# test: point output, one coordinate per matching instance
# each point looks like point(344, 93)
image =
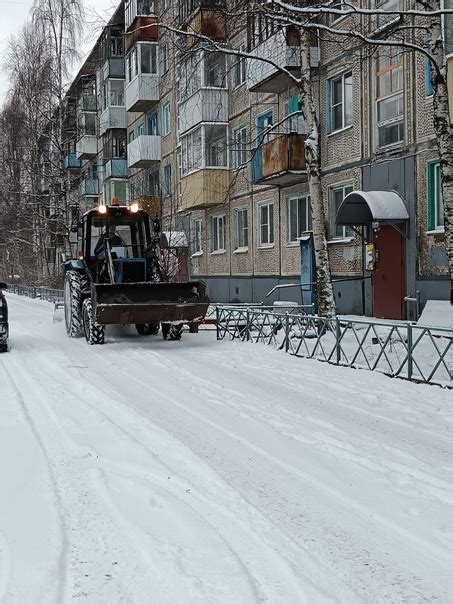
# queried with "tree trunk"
point(324, 289)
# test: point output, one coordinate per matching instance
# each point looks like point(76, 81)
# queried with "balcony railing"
point(113, 68)
point(112, 118)
point(206, 105)
point(144, 151)
point(86, 146)
point(280, 161)
point(142, 92)
point(89, 187)
point(187, 8)
point(204, 188)
point(116, 168)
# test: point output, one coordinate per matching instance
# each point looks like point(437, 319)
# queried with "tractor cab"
point(4, 328)
point(117, 245)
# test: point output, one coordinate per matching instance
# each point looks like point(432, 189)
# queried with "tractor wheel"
point(147, 329)
point(74, 284)
point(4, 346)
point(94, 333)
point(175, 331)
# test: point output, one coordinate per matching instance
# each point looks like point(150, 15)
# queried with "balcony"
point(87, 102)
point(204, 17)
point(72, 162)
point(142, 92)
point(204, 188)
point(89, 187)
point(116, 168)
point(206, 105)
point(86, 146)
point(284, 50)
point(280, 161)
point(112, 118)
point(141, 29)
point(144, 151)
point(113, 68)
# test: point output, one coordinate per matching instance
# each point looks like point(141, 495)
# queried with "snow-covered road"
point(203, 471)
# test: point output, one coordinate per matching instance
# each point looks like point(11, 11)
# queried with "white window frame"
point(198, 236)
point(439, 223)
point(191, 162)
point(239, 143)
point(395, 95)
point(218, 234)
point(166, 181)
point(241, 233)
point(347, 232)
point(239, 67)
point(382, 21)
point(165, 120)
point(331, 106)
point(269, 224)
point(308, 221)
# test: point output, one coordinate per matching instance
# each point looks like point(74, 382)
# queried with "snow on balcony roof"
point(364, 207)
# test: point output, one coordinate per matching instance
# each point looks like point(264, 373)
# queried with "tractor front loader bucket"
point(134, 303)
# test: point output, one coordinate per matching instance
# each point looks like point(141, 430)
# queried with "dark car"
point(4, 329)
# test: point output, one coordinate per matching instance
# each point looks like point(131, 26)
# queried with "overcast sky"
point(14, 14)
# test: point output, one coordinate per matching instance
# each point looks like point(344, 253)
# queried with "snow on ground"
point(437, 313)
point(203, 471)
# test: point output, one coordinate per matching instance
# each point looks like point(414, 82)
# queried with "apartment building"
point(184, 129)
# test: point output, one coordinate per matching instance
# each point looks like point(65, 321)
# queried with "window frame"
point(308, 218)
point(188, 149)
point(198, 237)
point(434, 197)
point(216, 231)
point(270, 224)
point(330, 105)
point(239, 67)
point(239, 147)
point(394, 94)
point(165, 118)
point(347, 232)
point(166, 181)
point(237, 230)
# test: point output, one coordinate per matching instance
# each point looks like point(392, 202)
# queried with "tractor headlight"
point(102, 209)
point(134, 207)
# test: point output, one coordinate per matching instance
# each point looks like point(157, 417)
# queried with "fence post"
point(410, 363)
point(217, 321)
point(337, 339)
point(247, 325)
point(286, 331)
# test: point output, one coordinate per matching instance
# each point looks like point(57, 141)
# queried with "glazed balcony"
point(89, 187)
point(283, 49)
point(112, 118)
point(115, 168)
point(113, 67)
point(205, 17)
point(206, 105)
point(87, 102)
point(72, 162)
point(204, 188)
point(144, 151)
point(142, 29)
point(142, 92)
point(280, 161)
point(87, 146)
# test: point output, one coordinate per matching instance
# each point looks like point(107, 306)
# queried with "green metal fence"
point(406, 350)
point(44, 293)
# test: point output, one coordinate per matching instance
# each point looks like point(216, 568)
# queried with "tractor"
point(4, 328)
point(119, 278)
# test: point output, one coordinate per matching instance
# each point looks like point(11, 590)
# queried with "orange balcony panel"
point(284, 160)
point(142, 29)
point(204, 188)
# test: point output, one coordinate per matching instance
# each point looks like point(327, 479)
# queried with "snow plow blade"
point(133, 303)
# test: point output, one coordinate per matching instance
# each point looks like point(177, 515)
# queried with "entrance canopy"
point(364, 207)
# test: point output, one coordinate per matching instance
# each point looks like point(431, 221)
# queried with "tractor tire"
point(94, 333)
point(175, 331)
point(4, 346)
point(147, 329)
point(74, 284)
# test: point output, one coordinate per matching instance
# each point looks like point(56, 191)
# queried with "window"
point(435, 201)
point(118, 146)
point(448, 27)
point(115, 188)
point(239, 151)
point(116, 88)
point(241, 229)
point(265, 224)
point(140, 129)
point(428, 68)
point(339, 102)
point(238, 68)
point(299, 217)
point(387, 5)
point(166, 118)
point(214, 70)
point(131, 136)
point(218, 233)
point(206, 146)
point(141, 59)
point(167, 181)
point(389, 97)
point(295, 121)
point(337, 194)
point(197, 239)
point(154, 184)
point(88, 124)
point(153, 123)
point(163, 58)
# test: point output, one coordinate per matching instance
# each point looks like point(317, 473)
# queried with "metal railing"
point(44, 293)
point(406, 350)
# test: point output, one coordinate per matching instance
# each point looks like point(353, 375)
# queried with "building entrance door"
point(389, 277)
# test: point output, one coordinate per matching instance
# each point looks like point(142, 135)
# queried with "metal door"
point(389, 274)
